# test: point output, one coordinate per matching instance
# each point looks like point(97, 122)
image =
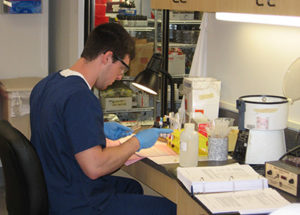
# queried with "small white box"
point(202, 96)
point(121, 103)
point(176, 64)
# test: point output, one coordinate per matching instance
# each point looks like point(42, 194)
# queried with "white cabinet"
point(276, 7)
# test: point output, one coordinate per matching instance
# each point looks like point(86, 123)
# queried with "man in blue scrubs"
point(69, 134)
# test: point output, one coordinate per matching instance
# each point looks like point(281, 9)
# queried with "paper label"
point(183, 146)
point(266, 110)
point(262, 122)
point(206, 96)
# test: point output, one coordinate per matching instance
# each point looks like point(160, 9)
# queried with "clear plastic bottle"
point(189, 141)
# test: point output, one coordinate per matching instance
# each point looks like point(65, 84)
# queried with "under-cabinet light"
point(7, 3)
point(261, 19)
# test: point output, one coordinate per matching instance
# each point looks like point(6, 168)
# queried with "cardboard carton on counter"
point(143, 53)
point(15, 102)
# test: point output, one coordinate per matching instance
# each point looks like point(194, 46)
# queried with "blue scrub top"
point(66, 118)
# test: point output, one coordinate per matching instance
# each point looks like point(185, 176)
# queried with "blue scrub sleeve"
point(84, 121)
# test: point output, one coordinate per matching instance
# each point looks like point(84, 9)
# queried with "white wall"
point(24, 44)
point(252, 59)
point(66, 33)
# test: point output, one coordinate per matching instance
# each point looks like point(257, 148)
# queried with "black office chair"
point(25, 187)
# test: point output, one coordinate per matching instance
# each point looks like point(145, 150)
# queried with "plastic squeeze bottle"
point(189, 141)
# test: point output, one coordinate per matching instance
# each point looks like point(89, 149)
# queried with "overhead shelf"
point(132, 110)
point(180, 76)
point(131, 78)
point(128, 78)
point(136, 28)
point(182, 45)
point(186, 22)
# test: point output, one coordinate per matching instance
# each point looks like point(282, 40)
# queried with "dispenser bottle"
point(189, 139)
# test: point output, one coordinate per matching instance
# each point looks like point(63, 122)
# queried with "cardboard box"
point(143, 54)
point(121, 103)
point(16, 106)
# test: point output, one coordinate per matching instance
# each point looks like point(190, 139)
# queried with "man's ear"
point(107, 57)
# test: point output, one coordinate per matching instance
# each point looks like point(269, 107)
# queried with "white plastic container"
point(202, 97)
point(176, 63)
point(189, 139)
point(263, 112)
point(217, 148)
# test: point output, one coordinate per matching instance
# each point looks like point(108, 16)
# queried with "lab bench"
point(163, 180)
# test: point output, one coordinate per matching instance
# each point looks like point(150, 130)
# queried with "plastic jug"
point(189, 138)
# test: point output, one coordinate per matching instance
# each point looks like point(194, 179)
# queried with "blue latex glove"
point(148, 137)
point(114, 130)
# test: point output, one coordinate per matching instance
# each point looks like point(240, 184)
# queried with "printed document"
point(245, 202)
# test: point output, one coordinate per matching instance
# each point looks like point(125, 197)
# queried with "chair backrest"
point(25, 185)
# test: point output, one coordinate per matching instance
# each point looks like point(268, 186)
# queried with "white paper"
point(159, 149)
point(160, 153)
point(169, 159)
point(244, 202)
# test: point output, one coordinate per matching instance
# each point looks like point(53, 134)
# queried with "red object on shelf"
point(101, 1)
point(112, 7)
point(101, 20)
point(100, 9)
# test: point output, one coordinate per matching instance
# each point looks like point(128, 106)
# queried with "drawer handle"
point(270, 4)
point(259, 4)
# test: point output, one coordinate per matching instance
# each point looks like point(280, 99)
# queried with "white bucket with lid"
point(265, 112)
point(262, 112)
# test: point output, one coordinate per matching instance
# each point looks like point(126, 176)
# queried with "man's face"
point(115, 71)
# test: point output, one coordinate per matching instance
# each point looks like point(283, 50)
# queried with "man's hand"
point(114, 130)
point(148, 137)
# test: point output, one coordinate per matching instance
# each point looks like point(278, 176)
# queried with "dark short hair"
point(108, 37)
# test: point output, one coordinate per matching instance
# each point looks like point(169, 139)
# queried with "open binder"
point(231, 189)
point(220, 178)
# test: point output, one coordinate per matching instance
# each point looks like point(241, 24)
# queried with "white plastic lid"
point(291, 86)
point(189, 126)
